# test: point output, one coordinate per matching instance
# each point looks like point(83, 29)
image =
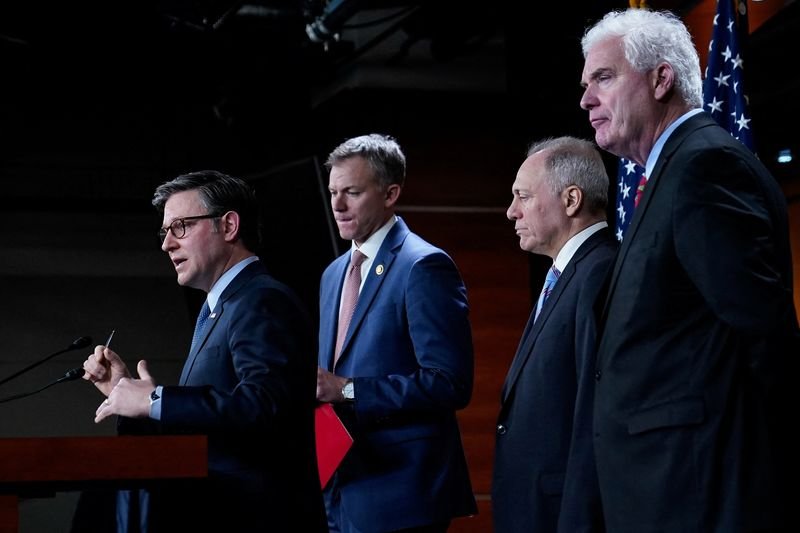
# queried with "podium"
point(32, 467)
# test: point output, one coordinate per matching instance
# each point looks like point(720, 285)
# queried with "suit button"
point(597, 375)
point(501, 429)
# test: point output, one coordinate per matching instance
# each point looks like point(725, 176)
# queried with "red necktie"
point(352, 283)
point(640, 190)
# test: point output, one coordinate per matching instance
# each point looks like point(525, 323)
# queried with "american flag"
point(723, 97)
point(723, 88)
point(628, 177)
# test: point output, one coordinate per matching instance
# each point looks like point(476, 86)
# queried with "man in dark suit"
point(247, 383)
point(544, 473)
point(699, 332)
point(404, 365)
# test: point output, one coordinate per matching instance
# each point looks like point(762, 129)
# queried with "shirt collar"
point(371, 246)
point(225, 280)
point(571, 246)
point(662, 140)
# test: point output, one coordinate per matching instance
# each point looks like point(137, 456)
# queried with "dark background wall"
point(100, 102)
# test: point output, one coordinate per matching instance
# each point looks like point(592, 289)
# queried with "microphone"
point(71, 375)
point(330, 22)
point(80, 342)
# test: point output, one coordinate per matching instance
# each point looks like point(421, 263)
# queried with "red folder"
point(333, 441)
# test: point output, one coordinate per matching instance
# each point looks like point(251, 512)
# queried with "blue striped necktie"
point(549, 283)
point(201, 322)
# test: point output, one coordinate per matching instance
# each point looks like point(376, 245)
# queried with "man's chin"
point(601, 141)
point(605, 144)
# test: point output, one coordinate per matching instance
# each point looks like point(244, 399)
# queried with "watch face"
point(347, 391)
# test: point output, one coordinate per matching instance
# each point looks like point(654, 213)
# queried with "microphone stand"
point(82, 342)
point(72, 375)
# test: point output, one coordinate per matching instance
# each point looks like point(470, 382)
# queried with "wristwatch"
point(154, 397)
point(348, 391)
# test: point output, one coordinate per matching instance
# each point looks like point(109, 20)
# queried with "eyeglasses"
point(178, 226)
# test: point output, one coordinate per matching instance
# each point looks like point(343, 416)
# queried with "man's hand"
point(104, 368)
point(329, 386)
point(130, 397)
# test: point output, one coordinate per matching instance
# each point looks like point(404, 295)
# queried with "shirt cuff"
point(155, 406)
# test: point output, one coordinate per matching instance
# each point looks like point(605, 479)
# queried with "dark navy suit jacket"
point(409, 350)
point(692, 402)
point(544, 472)
point(249, 385)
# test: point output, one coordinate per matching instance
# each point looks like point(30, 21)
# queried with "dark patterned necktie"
point(201, 322)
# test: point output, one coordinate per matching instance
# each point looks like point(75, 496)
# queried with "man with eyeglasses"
point(248, 382)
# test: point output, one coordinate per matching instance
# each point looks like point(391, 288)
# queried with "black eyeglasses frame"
point(162, 232)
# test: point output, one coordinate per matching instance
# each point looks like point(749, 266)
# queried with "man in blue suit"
point(544, 472)
point(402, 368)
point(247, 383)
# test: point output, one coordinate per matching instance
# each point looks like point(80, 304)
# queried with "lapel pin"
point(379, 270)
point(212, 315)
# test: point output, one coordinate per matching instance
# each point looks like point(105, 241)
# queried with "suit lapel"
point(380, 268)
point(237, 283)
point(651, 190)
point(330, 307)
point(521, 357)
point(533, 329)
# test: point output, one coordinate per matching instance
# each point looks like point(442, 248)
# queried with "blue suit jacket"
point(249, 385)
point(409, 350)
point(544, 472)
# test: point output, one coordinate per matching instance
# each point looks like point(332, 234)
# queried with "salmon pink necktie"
point(352, 284)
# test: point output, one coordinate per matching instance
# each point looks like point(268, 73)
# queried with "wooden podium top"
point(32, 466)
point(76, 461)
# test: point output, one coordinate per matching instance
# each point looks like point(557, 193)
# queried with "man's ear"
point(391, 194)
point(572, 198)
point(229, 225)
point(663, 81)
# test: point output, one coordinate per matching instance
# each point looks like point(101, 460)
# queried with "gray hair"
point(573, 161)
point(381, 152)
point(648, 38)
